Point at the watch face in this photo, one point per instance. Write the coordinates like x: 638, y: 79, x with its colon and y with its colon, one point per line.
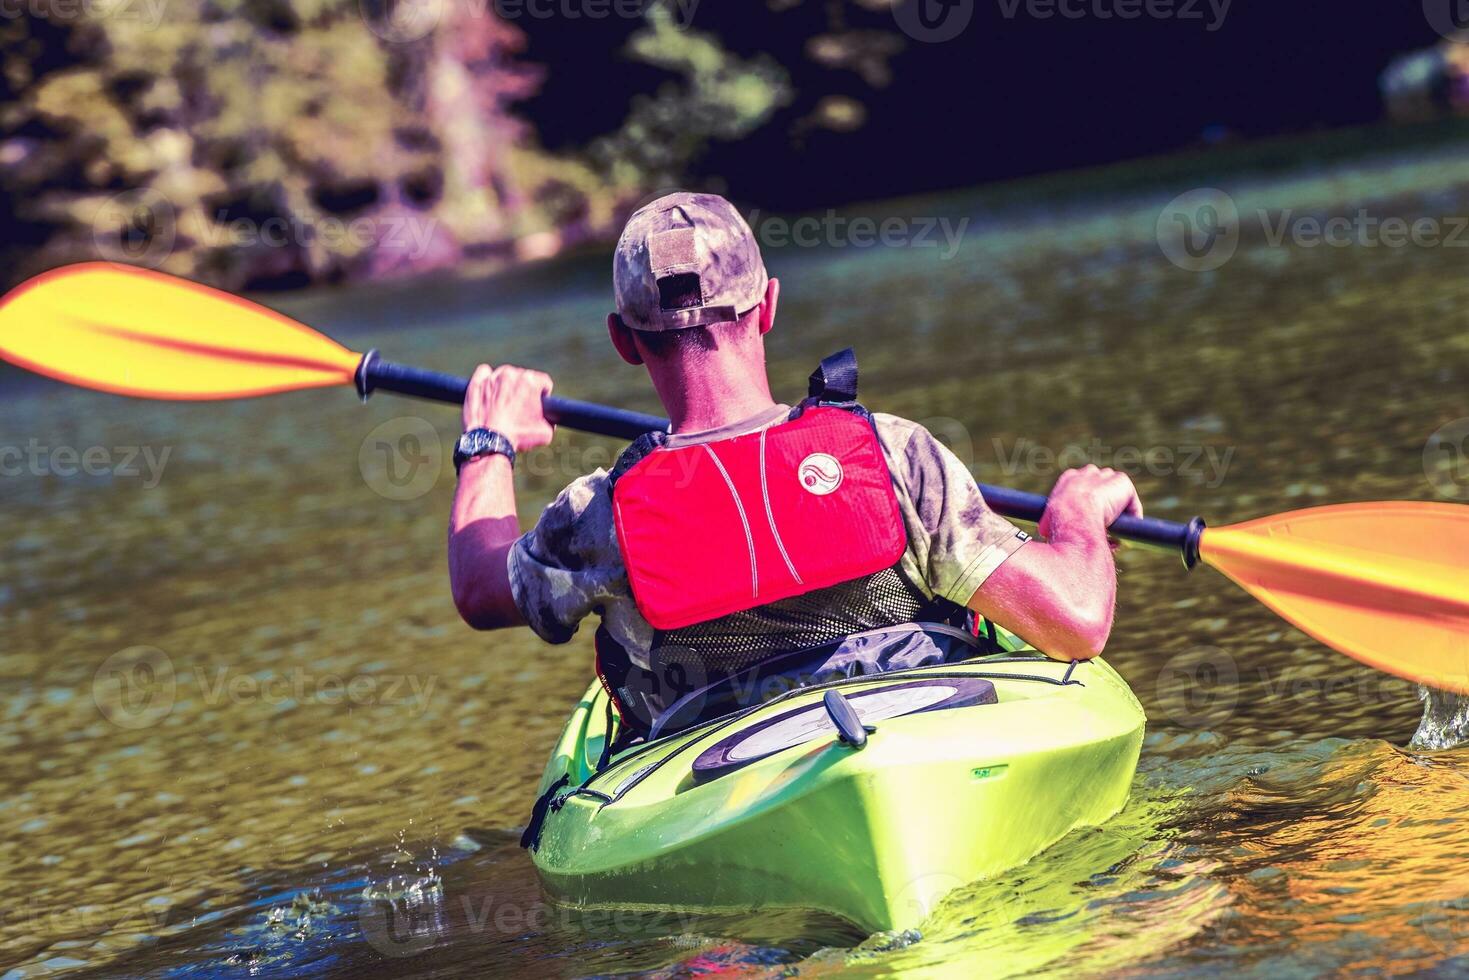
x: 481, y: 442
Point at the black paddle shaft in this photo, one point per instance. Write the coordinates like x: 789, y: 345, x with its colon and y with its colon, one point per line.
x: 374, y: 373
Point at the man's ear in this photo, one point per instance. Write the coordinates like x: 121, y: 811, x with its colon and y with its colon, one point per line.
x: 767, y: 307
x: 627, y: 348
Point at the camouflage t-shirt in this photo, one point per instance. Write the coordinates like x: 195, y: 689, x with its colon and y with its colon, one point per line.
x: 568, y: 566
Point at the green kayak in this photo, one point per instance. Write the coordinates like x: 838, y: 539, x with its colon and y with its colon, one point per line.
x: 967, y: 770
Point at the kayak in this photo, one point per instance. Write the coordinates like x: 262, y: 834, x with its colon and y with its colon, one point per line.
x: 954, y: 773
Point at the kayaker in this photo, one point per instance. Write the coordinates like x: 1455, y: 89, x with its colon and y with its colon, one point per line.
x: 868, y: 525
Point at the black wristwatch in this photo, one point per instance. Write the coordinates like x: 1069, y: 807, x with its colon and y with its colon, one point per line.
x: 481, y: 442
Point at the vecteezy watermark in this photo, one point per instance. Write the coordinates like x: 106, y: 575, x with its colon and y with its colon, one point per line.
x: 401, y: 21
x: 147, y: 13
x: 936, y: 21
x: 833, y: 230
x: 403, y: 917
x: 1210, y: 13
x: 401, y: 459
x: 140, y: 227
x: 225, y: 685
x: 405, y: 21
x: 1449, y: 18
x: 1446, y: 924
x: 1203, y: 686
x: 145, y: 916
x: 138, y: 687
x: 1198, y: 687
x: 925, y: 893
x: 135, y: 688
x: 1200, y: 230
x: 130, y: 462
x: 1205, y: 463
x: 1446, y: 460
x: 933, y: 21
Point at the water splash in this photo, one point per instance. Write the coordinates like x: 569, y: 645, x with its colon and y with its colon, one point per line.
x: 1445, y: 723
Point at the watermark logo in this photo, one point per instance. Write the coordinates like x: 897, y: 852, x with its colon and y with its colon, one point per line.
x: 933, y: 21
x: 676, y: 688
x: 1449, y: 18
x: 923, y: 894
x: 1198, y: 231
x: 135, y: 688
x: 137, y: 227
x: 401, y: 21
x: 1446, y: 924
x: 1446, y: 460
x: 138, y: 687
x: 1197, y: 686
x: 401, y: 459
x: 402, y: 918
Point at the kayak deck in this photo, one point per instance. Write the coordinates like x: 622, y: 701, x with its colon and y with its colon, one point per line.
x: 877, y: 835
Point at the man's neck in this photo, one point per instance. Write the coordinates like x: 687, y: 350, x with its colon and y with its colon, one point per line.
x: 716, y: 398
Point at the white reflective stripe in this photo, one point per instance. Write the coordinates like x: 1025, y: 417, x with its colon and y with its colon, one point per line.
x: 770, y: 516
x: 749, y: 538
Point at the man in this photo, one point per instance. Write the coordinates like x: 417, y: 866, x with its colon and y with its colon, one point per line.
x: 677, y: 535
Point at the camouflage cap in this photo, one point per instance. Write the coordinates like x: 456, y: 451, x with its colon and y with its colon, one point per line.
x: 686, y: 260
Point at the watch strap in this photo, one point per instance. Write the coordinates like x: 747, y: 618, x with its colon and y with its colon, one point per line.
x: 482, y: 442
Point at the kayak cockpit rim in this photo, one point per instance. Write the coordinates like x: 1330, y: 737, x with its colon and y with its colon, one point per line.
x: 715, y: 725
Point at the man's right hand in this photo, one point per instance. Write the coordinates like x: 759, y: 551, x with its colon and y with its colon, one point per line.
x: 507, y: 400
x: 1088, y: 499
x: 1060, y: 593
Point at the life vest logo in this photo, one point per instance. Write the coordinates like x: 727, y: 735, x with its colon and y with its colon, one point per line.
x: 820, y: 474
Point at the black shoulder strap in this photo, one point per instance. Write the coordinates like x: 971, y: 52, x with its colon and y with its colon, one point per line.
x: 633, y: 454
x: 835, y: 379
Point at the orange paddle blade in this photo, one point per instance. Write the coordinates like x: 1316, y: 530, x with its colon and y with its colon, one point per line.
x: 1385, y: 583
x: 136, y: 332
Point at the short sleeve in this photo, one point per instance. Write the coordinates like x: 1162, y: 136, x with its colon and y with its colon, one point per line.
x: 567, y: 566
x: 955, y: 541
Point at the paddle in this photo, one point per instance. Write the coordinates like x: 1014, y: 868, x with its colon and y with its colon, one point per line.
x: 136, y: 332
x: 1385, y: 583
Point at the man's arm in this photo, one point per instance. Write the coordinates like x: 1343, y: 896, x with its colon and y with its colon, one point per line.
x: 483, y: 525
x: 1058, y: 594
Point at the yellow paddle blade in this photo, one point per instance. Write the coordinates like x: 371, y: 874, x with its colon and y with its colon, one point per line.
x: 136, y: 332
x: 1385, y: 583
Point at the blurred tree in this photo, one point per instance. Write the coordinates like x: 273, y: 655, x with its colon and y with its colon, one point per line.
x: 271, y: 143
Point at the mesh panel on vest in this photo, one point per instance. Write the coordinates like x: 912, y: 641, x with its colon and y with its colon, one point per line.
x: 734, y: 642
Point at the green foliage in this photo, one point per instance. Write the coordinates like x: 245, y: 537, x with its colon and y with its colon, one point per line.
x: 245, y: 133
x: 719, y: 97
x: 232, y: 140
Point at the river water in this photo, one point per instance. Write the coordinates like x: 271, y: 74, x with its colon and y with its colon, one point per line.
x: 238, y: 704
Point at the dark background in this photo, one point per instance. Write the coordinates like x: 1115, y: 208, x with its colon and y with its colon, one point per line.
x: 1008, y: 97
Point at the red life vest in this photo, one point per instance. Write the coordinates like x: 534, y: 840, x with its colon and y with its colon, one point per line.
x: 751, y: 554
x: 716, y: 528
